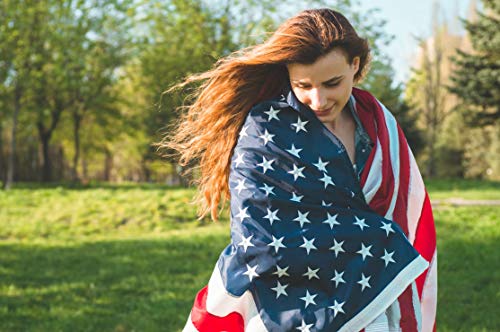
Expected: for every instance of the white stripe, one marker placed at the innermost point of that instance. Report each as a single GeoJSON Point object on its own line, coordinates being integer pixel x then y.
{"type": "Point", "coordinates": [429, 297]}
{"type": "Point", "coordinates": [189, 327]}
{"type": "Point", "coordinates": [221, 303]}
{"type": "Point", "coordinates": [416, 197]}
{"type": "Point", "coordinates": [392, 129]}
{"type": "Point", "coordinates": [387, 296]}
{"type": "Point", "coordinates": [394, 315]}
{"type": "Point", "coordinates": [380, 324]}
{"type": "Point", "coordinates": [416, 305]}
{"type": "Point", "coordinates": [374, 178]}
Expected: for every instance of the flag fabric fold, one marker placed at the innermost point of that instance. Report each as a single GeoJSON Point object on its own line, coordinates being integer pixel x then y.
{"type": "Point", "coordinates": [313, 248]}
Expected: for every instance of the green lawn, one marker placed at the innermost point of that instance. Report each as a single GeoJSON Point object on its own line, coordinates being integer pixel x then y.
{"type": "Point", "coordinates": [132, 257]}
{"type": "Point", "coordinates": [466, 189]}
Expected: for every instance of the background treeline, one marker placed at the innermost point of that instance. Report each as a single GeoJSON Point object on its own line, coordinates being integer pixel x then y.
{"type": "Point", "coordinates": [81, 83]}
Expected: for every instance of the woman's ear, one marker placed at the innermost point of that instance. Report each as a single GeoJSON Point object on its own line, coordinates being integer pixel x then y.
{"type": "Point", "coordinates": [355, 64]}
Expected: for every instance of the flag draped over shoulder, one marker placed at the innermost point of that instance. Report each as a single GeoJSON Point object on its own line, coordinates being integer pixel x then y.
{"type": "Point", "coordinates": [312, 247]}
{"type": "Point", "coordinates": [394, 188]}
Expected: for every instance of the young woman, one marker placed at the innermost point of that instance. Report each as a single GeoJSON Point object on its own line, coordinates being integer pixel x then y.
{"type": "Point", "coordinates": [331, 226]}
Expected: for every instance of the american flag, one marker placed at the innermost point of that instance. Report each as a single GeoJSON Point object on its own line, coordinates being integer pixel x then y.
{"type": "Point", "coordinates": [313, 248]}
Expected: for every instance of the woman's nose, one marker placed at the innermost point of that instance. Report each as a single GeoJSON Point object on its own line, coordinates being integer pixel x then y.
{"type": "Point", "coordinates": [317, 99]}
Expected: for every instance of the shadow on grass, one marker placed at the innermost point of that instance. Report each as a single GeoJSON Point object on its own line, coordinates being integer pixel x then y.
{"type": "Point", "coordinates": [149, 285]}
{"type": "Point", "coordinates": [104, 286]}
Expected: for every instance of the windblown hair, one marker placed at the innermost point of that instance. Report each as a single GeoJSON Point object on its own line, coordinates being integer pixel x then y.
{"type": "Point", "coordinates": [207, 132]}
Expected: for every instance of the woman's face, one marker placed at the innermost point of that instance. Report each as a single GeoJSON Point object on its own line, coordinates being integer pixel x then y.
{"type": "Point", "coordinates": [325, 85]}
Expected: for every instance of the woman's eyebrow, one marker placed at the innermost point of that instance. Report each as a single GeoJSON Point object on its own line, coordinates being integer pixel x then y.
{"type": "Point", "coordinates": [333, 79]}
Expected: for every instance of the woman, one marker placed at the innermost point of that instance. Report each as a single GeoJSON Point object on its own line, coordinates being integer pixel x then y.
{"type": "Point", "coordinates": [331, 226]}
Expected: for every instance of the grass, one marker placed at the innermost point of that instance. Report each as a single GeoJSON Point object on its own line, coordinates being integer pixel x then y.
{"type": "Point", "coordinates": [67, 214]}
{"type": "Point", "coordinates": [141, 284]}
{"type": "Point", "coordinates": [465, 189]}
{"type": "Point", "coordinates": [132, 257]}
{"type": "Point", "coordinates": [468, 274]}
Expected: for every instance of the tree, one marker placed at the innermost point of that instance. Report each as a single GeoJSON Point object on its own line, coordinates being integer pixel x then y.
{"type": "Point", "coordinates": [100, 49]}
{"type": "Point", "coordinates": [426, 90]}
{"type": "Point", "coordinates": [66, 54]}
{"type": "Point", "coordinates": [20, 27]}
{"type": "Point", "coordinates": [475, 80]}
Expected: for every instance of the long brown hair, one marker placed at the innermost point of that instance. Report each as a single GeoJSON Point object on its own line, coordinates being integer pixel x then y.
{"type": "Point", "coordinates": [207, 132]}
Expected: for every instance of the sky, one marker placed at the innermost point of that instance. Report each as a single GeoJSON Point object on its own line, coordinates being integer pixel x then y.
{"type": "Point", "coordinates": [408, 18]}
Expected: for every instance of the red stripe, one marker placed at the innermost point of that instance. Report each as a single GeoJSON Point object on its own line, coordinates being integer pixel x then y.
{"type": "Point", "coordinates": [364, 104]}
{"type": "Point", "coordinates": [425, 239]}
{"type": "Point", "coordinates": [206, 322]}
{"type": "Point", "coordinates": [408, 322]}
{"type": "Point", "coordinates": [366, 118]}
{"type": "Point", "coordinates": [369, 109]}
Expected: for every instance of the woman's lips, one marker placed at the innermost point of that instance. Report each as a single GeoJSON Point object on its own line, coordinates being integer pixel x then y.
{"type": "Point", "coordinates": [324, 112]}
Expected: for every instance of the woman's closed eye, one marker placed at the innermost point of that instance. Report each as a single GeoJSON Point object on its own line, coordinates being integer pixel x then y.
{"type": "Point", "coordinates": [332, 84]}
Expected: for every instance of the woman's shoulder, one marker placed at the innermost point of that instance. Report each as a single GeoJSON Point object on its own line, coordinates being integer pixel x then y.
{"type": "Point", "coordinates": [268, 118]}
{"type": "Point", "coordinates": [363, 96]}
{"type": "Point", "coordinates": [268, 109]}
{"type": "Point", "coordinates": [276, 103]}
{"type": "Point", "coordinates": [367, 103]}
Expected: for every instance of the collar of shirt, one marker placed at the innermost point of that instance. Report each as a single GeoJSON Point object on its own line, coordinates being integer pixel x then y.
{"type": "Point", "coordinates": [363, 143]}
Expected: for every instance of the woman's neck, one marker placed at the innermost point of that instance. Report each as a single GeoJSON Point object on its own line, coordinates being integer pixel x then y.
{"type": "Point", "coordinates": [342, 119]}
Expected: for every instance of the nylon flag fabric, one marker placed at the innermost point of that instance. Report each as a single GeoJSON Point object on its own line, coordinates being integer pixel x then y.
{"type": "Point", "coordinates": [312, 247]}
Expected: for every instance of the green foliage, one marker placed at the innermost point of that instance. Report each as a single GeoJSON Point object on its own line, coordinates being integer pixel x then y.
{"type": "Point", "coordinates": [426, 94]}
{"type": "Point", "coordinates": [88, 76]}
{"type": "Point", "coordinates": [482, 153]}
{"type": "Point", "coordinates": [475, 80]}
{"type": "Point", "coordinates": [66, 55]}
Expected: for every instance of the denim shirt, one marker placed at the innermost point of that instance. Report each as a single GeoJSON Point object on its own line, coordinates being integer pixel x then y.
{"type": "Point", "coordinates": [362, 142]}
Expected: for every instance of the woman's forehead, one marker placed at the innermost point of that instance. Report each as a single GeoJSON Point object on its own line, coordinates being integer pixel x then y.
{"type": "Point", "coordinates": [325, 68]}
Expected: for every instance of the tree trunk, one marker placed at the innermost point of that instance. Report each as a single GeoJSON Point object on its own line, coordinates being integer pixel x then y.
{"type": "Point", "coordinates": [108, 165]}
{"type": "Point", "coordinates": [45, 134]}
{"type": "Point", "coordinates": [46, 161]}
{"type": "Point", "coordinates": [11, 162]}
{"type": "Point", "coordinates": [431, 163]}
{"type": "Point", "coordinates": [76, 141]}
{"type": "Point", "coordinates": [145, 170]}
{"type": "Point", "coordinates": [60, 167]}
{"type": "Point", "coordinates": [3, 172]}
{"type": "Point", "coordinates": [85, 169]}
